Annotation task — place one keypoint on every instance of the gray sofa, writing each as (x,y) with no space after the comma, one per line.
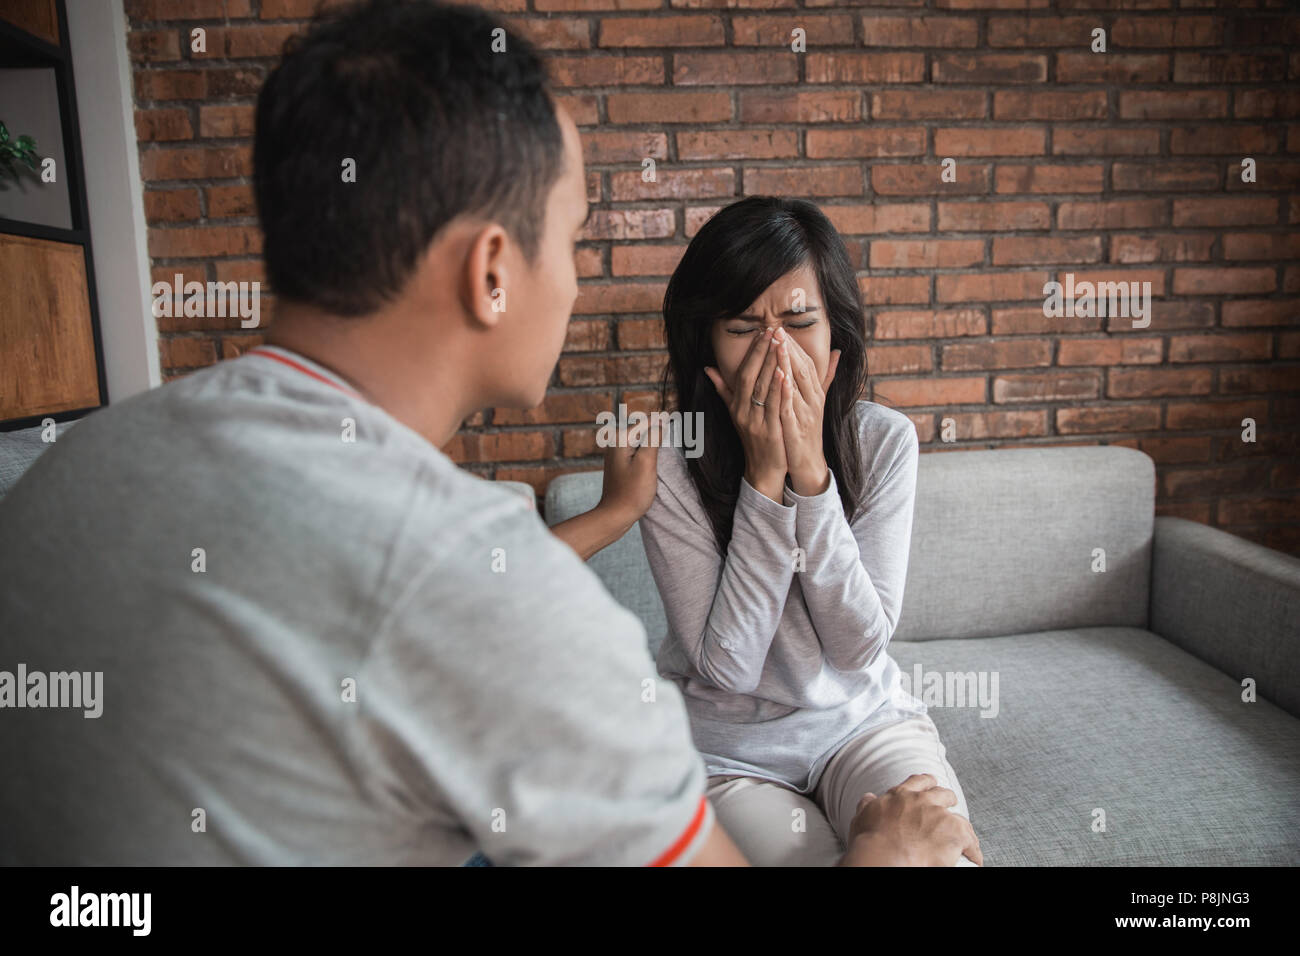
(1119,691)
(18,449)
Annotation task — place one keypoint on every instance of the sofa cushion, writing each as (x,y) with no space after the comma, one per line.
(18,449)
(1118,719)
(1006,541)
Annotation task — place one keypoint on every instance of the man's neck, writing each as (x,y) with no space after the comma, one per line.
(368,354)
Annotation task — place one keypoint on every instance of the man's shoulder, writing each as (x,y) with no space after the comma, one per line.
(245,444)
(119,445)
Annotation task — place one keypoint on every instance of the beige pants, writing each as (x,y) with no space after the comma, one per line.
(775,825)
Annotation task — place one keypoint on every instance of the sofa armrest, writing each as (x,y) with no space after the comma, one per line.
(1231,602)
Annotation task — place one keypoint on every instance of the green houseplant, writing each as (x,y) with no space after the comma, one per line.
(15,153)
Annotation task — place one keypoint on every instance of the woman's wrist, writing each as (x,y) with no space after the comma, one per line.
(811,481)
(767,485)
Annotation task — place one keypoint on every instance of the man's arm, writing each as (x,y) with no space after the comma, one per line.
(626,492)
(507,702)
(595,530)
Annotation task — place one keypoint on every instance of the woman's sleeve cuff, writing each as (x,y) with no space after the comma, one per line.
(830,498)
(751,497)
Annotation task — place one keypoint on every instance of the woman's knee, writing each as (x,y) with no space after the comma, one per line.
(881,759)
(773,825)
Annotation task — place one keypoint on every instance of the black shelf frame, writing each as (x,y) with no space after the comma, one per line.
(20,49)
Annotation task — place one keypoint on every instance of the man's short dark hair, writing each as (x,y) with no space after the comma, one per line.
(438,125)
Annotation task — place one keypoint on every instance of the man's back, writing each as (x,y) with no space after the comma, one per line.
(320,642)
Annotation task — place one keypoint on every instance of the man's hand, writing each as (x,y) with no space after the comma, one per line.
(911,826)
(631,476)
(628,491)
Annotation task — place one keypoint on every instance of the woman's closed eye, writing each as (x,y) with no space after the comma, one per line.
(747,329)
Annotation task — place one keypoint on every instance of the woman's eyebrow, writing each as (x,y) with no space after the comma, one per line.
(749,317)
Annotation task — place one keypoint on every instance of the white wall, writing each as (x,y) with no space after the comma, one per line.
(106,112)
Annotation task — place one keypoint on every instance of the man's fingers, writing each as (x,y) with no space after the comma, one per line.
(642,446)
(636,435)
(940,796)
(972,850)
(646,457)
(918,781)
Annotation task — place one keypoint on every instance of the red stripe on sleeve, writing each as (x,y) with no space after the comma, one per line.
(687,837)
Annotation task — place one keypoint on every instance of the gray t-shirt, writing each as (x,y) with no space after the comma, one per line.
(317,650)
(779,645)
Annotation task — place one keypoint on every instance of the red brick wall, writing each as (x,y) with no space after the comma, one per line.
(1122,165)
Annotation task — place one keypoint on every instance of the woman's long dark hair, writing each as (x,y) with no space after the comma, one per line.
(731,261)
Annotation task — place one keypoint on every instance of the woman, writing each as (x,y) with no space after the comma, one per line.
(781,551)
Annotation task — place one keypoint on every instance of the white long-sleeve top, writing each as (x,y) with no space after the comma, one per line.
(779,646)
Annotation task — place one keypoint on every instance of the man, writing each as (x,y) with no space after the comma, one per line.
(319,640)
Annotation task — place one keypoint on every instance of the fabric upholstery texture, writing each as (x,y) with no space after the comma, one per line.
(19,448)
(1242,610)
(1119,641)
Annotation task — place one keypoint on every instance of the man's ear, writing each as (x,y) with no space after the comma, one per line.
(484,276)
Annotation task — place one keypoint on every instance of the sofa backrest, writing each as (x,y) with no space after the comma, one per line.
(1006,541)
(1011,541)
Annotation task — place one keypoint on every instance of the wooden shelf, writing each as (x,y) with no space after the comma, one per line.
(46,328)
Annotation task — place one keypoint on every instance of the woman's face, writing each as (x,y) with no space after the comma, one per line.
(776,308)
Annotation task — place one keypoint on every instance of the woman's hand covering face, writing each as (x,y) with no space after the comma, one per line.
(755,407)
(777,406)
(803,405)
